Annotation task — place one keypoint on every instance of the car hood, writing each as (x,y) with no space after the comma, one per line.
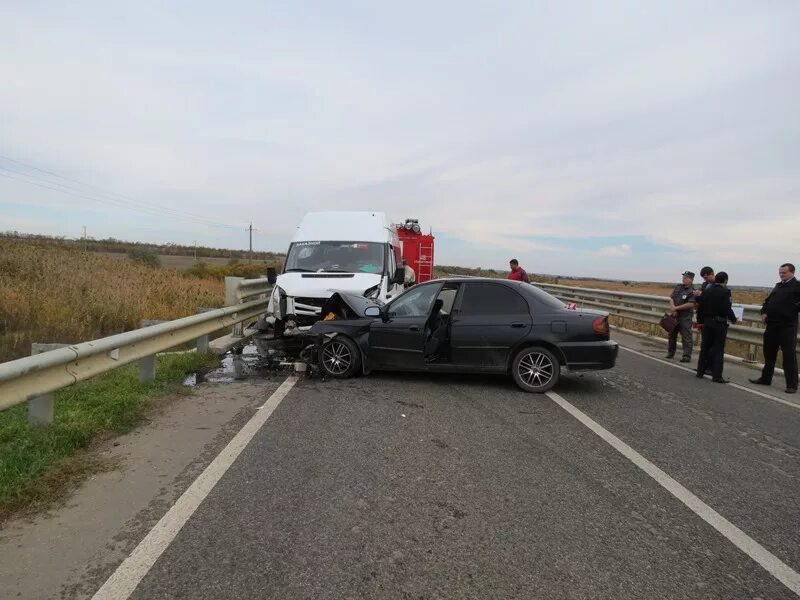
(349,306)
(322,285)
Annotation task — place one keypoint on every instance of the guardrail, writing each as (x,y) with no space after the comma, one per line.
(32,377)
(650,309)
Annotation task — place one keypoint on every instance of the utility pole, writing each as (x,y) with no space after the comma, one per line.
(251,230)
(84,238)
(195,251)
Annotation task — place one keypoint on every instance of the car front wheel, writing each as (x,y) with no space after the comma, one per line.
(535,369)
(339,357)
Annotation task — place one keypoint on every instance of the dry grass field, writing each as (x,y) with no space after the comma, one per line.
(51,294)
(168,261)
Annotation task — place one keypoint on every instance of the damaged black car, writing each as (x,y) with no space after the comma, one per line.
(463,325)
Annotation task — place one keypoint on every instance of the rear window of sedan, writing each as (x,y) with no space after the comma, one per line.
(543,298)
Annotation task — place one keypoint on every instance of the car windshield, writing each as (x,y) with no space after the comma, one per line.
(335,257)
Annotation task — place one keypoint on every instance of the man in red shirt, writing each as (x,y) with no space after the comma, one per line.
(517,272)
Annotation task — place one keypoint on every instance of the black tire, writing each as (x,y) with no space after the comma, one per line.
(535,369)
(279,328)
(339,357)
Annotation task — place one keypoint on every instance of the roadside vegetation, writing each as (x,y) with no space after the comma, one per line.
(55,294)
(38,464)
(124,247)
(203,270)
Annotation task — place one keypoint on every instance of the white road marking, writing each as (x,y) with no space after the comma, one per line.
(124,580)
(775,566)
(730,383)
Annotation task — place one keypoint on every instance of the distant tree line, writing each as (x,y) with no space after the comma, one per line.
(139,248)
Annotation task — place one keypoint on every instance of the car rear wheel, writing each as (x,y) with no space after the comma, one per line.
(339,357)
(535,369)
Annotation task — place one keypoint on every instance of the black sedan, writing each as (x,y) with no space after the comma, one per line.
(463,325)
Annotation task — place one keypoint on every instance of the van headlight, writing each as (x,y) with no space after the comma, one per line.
(278,302)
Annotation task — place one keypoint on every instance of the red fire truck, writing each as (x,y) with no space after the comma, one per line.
(417,248)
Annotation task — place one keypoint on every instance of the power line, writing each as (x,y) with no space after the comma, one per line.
(116,204)
(105,197)
(60,187)
(90,186)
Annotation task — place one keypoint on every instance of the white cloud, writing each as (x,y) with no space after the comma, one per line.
(620,251)
(509,128)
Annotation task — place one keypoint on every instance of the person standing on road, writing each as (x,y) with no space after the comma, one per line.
(518,273)
(681,304)
(715,311)
(779,313)
(707,273)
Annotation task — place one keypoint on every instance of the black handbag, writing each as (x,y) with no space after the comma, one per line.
(668,322)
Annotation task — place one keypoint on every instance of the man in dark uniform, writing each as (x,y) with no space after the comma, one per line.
(681,304)
(707,274)
(779,312)
(715,312)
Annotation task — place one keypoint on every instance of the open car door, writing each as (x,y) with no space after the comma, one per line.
(399,341)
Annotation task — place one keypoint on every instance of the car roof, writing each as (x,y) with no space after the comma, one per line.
(468,279)
(526,289)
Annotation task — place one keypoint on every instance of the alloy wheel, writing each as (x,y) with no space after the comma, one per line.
(536,369)
(337,358)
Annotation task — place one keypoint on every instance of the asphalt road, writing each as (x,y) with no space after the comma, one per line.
(396,486)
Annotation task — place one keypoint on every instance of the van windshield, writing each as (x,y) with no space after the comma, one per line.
(336,257)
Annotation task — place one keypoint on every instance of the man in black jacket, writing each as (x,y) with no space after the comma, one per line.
(707,273)
(715,312)
(779,312)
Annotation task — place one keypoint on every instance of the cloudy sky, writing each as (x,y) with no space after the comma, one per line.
(615,139)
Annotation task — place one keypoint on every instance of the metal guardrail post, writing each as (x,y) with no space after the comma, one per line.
(41,408)
(752,353)
(203,341)
(147,365)
(231,299)
(147,368)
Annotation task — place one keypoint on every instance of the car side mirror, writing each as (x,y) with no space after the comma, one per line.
(372,311)
(272,277)
(399,275)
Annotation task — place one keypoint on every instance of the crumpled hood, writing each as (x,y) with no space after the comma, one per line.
(356,303)
(323,285)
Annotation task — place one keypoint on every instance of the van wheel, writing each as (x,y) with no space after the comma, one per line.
(339,357)
(535,369)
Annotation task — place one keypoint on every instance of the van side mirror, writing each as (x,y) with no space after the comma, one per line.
(272,277)
(372,311)
(399,275)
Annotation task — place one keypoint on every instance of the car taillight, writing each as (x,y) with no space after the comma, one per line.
(600,325)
